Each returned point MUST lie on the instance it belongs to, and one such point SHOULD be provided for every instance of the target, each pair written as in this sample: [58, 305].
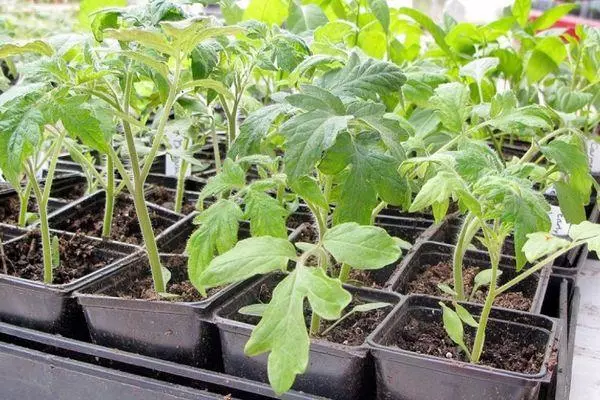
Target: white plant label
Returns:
[560, 226]
[593, 150]
[551, 191]
[172, 162]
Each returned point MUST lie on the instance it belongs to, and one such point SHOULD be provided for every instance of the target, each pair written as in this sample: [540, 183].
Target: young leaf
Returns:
[314, 98]
[450, 102]
[550, 16]
[304, 18]
[465, 315]
[308, 188]
[370, 306]
[453, 326]
[271, 12]
[152, 39]
[267, 217]
[520, 10]
[231, 177]
[55, 252]
[308, 135]
[249, 257]
[31, 46]
[381, 11]
[282, 330]
[254, 310]
[483, 278]
[477, 69]
[362, 247]
[435, 31]
[540, 244]
[447, 289]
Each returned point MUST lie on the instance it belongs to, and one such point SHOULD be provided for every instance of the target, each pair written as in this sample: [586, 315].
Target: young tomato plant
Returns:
[38, 114]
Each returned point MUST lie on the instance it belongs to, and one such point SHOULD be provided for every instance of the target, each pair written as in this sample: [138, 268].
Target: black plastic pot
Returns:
[188, 202]
[8, 232]
[50, 307]
[63, 188]
[10, 195]
[170, 182]
[36, 365]
[169, 330]
[334, 370]
[431, 253]
[404, 374]
[94, 204]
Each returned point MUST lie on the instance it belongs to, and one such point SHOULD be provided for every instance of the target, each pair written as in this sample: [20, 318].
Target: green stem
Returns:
[24, 203]
[377, 210]
[344, 273]
[487, 307]
[109, 201]
[183, 166]
[533, 150]
[215, 140]
[468, 230]
[139, 200]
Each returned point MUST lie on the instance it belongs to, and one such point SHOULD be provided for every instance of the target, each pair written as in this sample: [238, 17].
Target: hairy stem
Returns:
[23, 204]
[468, 230]
[183, 166]
[215, 143]
[344, 273]
[377, 210]
[109, 201]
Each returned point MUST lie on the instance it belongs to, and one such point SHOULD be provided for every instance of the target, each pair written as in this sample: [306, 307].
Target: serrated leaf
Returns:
[249, 257]
[150, 38]
[533, 116]
[365, 79]
[308, 136]
[314, 98]
[540, 244]
[231, 177]
[267, 217]
[282, 330]
[450, 102]
[26, 46]
[361, 246]
[310, 63]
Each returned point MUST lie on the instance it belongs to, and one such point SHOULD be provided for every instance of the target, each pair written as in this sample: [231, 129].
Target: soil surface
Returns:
[125, 226]
[351, 332]
[431, 275]
[361, 278]
[9, 210]
[75, 192]
[504, 348]
[141, 286]
[166, 198]
[79, 256]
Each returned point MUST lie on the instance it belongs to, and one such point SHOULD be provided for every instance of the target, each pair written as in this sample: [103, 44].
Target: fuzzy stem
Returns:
[23, 203]
[215, 140]
[344, 273]
[377, 210]
[183, 166]
[467, 232]
[109, 201]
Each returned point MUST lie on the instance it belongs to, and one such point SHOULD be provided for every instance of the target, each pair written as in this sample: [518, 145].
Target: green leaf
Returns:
[267, 217]
[479, 68]
[361, 246]
[311, 63]
[150, 38]
[103, 21]
[271, 12]
[308, 135]
[453, 326]
[370, 306]
[255, 128]
[381, 11]
[304, 18]
[447, 289]
[55, 252]
[365, 79]
[282, 330]
[540, 244]
[249, 257]
[533, 116]
[520, 10]
[254, 310]
[373, 43]
[435, 31]
[314, 98]
[232, 177]
[152, 62]
[308, 188]
[465, 315]
[545, 58]
[21, 47]
[584, 230]
[550, 16]
[204, 59]
[569, 101]
[484, 278]
[217, 233]
[87, 7]
[450, 102]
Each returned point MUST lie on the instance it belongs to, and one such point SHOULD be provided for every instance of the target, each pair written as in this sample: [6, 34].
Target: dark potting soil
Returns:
[79, 256]
[430, 276]
[9, 209]
[166, 198]
[361, 278]
[351, 332]
[142, 287]
[504, 348]
[125, 226]
[75, 192]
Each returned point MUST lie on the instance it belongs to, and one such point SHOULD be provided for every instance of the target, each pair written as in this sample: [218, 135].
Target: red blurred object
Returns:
[569, 22]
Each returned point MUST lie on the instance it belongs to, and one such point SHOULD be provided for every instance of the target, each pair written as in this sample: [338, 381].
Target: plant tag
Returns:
[593, 150]
[551, 191]
[560, 226]
[172, 162]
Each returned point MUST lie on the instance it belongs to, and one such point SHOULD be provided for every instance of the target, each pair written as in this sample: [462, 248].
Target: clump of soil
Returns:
[504, 348]
[166, 198]
[125, 226]
[79, 256]
[141, 286]
[429, 276]
[351, 332]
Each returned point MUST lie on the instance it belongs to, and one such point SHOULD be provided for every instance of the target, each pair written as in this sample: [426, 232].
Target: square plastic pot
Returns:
[7, 195]
[51, 307]
[335, 371]
[169, 330]
[63, 187]
[37, 365]
[431, 253]
[403, 374]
